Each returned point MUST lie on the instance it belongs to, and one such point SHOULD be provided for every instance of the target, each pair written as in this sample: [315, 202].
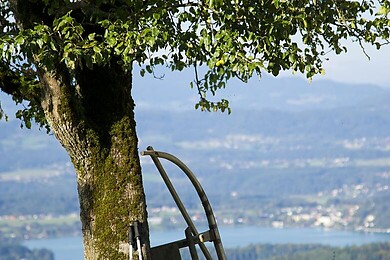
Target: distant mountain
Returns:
[284, 93]
[271, 107]
[286, 139]
[172, 93]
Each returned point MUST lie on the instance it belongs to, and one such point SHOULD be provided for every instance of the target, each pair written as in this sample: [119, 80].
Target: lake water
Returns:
[71, 247]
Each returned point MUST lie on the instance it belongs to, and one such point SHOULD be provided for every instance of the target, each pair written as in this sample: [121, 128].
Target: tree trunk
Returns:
[94, 120]
[91, 112]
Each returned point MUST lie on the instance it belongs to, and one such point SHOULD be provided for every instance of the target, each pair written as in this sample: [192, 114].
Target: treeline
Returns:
[17, 252]
[55, 195]
[374, 251]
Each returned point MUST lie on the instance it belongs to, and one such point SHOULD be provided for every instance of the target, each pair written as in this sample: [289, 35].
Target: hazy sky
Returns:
[354, 66]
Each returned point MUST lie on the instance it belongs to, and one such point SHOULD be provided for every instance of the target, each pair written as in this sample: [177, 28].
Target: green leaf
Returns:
[40, 42]
[96, 49]
[19, 39]
[383, 10]
[53, 46]
[111, 41]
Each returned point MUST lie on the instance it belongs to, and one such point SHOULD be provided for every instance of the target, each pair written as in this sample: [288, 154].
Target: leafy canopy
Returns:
[232, 39]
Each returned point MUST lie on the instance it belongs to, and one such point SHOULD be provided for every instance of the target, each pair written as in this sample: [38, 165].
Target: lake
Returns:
[71, 247]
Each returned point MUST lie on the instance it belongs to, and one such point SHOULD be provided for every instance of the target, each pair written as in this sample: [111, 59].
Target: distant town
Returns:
[341, 216]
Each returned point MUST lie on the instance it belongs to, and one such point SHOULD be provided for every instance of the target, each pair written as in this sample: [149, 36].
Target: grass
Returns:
[27, 174]
[21, 221]
[379, 162]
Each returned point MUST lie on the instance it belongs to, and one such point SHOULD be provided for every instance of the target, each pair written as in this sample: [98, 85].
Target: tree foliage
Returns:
[70, 64]
[219, 39]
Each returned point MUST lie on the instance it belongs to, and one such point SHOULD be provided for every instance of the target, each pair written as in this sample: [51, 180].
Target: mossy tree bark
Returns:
[91, 112]
[94, 121]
